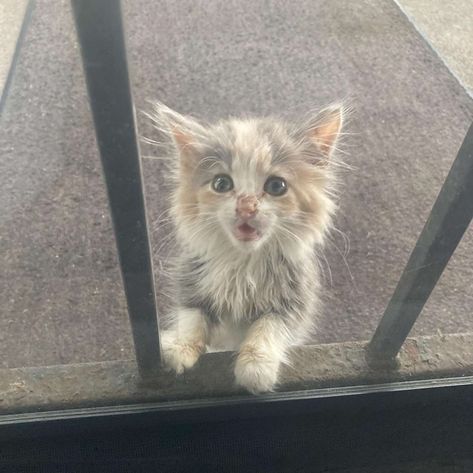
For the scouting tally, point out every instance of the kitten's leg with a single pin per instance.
(183, 344)
(261, 354)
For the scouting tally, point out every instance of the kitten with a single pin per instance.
(251, 201)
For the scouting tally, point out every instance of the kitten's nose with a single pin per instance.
(247, 206)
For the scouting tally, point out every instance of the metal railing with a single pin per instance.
(100, 31)
(445, 226)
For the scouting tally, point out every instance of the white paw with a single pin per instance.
(256, 371)
(180, 355)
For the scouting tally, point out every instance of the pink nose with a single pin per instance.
(247, 206)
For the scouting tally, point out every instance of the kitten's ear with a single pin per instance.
(324, 129)
(186, 133)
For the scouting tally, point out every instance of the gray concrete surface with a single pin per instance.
(60, 292)
(448, 26)
(337, 365)
(11, 17)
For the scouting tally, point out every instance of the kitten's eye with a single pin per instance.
(222, 183)
(275, 186)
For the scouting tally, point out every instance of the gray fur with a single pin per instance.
(287, 291)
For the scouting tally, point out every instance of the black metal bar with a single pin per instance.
(447, 222)
(100, 30)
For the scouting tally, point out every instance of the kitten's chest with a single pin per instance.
(239, 291)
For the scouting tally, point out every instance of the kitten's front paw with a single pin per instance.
(256, 371)
(180, 355)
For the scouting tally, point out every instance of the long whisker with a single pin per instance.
(345, 262)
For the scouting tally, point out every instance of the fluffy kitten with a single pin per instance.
(251, 203)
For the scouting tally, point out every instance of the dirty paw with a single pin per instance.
(180, 355)
(256, 371)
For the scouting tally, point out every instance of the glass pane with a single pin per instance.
(61, 292)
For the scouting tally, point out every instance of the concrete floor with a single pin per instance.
(60, 288)
(12, 13)
(448, 27)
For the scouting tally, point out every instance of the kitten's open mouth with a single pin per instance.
(246, 232)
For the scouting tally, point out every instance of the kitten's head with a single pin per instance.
(251, 183)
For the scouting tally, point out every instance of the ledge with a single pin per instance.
(312, 366)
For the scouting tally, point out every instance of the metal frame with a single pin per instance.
(305, 431)
(100, 30)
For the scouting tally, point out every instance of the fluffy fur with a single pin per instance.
(246, 277)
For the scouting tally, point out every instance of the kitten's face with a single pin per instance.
(251, 183)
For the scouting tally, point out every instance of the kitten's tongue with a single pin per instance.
(245, 228)
(246, 232)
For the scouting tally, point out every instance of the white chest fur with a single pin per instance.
(235, 282)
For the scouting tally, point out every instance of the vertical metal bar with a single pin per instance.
(447, 222)
(100, 30)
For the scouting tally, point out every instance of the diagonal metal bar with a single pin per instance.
(100, 30)
(447, 222)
